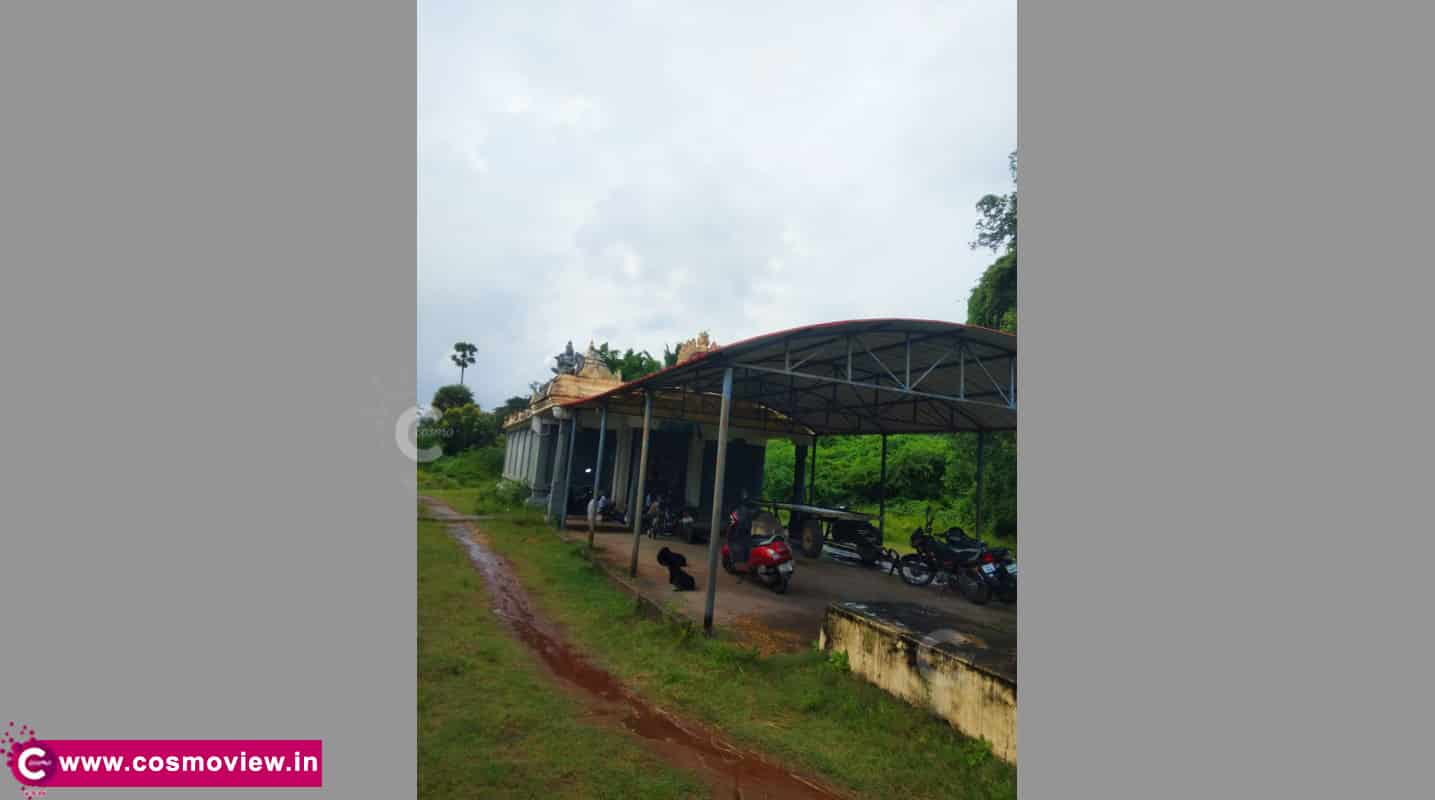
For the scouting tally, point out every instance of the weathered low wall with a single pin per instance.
(929, 666)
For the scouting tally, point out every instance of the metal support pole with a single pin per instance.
(597, 470)
(882, 493)
(642, 482)
(1011, 382)
(962, 374)
(715, 530)
(908, 384)
(981, 445)
(799, 466)
(812, 478)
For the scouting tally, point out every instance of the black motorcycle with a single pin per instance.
(952, 554)
(995, 566)
(1005, 568)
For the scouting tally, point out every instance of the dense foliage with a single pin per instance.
(454, 395)
(456, 424)
(993, 300)
(922, 469)
(636, 364)
(512, 406)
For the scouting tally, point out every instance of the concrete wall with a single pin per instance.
(979, 703)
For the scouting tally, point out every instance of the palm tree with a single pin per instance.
(464, 354)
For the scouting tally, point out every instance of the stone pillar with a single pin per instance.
(693, 492)
(544, 451)
(561, 472)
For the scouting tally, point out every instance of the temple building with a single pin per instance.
(681, 455)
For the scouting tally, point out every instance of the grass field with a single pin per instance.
(804, 708)
(464, 501)
(491, 724)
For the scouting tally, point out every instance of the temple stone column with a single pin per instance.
(545, 450)
(693, 492)
(622, 442)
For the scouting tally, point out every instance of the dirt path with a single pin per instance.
(731, 772)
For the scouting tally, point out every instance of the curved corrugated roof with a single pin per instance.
(849, 377)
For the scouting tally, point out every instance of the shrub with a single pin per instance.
(500, 496)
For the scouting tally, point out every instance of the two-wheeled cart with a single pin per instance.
(840, 528)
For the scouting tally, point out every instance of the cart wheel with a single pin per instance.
(811, 538)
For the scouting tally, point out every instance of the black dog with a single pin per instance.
(681, 581)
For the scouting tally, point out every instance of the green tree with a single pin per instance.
(464, 354)
(466, 427)
(512, 405)
(996, 217)
(631, 364)
(992, 303)
(454, 395)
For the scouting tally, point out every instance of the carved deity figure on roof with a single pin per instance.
(569, 362)
(699, 344)
(592, 365)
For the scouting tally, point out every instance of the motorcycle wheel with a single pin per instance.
(727, 564)
(976, 590)
(781, 586)
(915, 571)
(1008, 595)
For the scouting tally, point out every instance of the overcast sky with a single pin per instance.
(634, 173)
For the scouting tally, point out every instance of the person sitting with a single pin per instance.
(681, 581)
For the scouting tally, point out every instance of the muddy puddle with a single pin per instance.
(731, 772)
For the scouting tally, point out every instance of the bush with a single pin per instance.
(503, 495)
(466, 470)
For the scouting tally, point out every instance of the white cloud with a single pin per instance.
(635, 174)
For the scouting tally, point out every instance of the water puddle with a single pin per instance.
(731, 772)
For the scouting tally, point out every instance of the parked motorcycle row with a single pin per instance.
(976, 571)
(755, 545)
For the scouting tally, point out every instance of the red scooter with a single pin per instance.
(768, 556)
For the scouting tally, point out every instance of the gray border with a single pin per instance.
(207, 312)
(1222, 380)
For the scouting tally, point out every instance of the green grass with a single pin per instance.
(491, 724)
(464, 501)
(470, 483)
(803, 707)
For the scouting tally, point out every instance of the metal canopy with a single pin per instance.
(851, 377)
